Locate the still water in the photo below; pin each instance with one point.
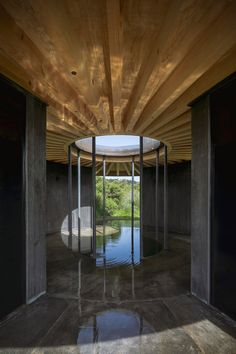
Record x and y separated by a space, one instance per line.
116 244
116 249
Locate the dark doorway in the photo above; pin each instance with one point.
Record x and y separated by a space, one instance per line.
223 122
12 136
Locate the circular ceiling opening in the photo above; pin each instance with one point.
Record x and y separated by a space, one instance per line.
118 145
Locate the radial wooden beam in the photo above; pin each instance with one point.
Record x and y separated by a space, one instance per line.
107 67
118 169
182 119
162 61
18 46
188 71
115 38
224 67
110 166
136 169
126 168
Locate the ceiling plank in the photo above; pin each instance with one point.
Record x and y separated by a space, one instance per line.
115 39
16 44
214 43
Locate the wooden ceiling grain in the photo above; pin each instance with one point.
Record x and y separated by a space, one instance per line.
118 66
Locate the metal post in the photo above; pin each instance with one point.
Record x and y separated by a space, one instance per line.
69 198
165 199
94 194
133 280
79 285
79 196
132 208
104 278
141 197
157 194
104 202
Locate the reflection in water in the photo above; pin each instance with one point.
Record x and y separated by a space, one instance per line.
115 253
107 330
117 243
117 249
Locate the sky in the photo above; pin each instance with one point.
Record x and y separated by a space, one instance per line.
117 140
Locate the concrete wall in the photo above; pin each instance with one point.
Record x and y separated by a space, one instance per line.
57 196
179 198
35 197
23 122
200 227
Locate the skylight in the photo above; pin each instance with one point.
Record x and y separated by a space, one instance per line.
117 140
118 145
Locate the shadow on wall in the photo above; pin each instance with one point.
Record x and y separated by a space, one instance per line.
57 194
86 230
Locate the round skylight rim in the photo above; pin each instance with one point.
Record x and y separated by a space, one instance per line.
149 145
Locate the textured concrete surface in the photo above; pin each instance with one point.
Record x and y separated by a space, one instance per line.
200 204
91 311
35 197
22 196
57 196
179 197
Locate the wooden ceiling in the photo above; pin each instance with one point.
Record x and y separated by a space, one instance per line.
118 66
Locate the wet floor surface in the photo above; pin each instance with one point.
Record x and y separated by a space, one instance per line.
142 309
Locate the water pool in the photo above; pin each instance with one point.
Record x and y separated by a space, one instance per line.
116 249
115 245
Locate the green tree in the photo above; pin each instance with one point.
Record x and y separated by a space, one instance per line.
118 198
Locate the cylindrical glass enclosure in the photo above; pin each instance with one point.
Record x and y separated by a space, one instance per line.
117 216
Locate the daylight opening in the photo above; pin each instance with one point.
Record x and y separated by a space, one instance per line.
118 145
112 221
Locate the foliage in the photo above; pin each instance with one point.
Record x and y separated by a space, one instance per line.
118 197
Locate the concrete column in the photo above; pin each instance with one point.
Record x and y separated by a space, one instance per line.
166 233
69 197
200 216
157 195
141 196
94 194
132 208
35 198
79 196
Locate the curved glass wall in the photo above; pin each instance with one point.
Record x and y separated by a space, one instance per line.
120 236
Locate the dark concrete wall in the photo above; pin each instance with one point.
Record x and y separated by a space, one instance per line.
35 198
24 121
57 196
149 198
179 198
200 227
12 207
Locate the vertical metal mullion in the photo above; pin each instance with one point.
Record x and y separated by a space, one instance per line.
69 198
94 194
104 201
165 198
132 208
157 194
79 196
79 285
141 197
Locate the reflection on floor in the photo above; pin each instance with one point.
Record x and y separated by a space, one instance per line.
128 309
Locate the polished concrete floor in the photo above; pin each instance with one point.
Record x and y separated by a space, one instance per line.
128 309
